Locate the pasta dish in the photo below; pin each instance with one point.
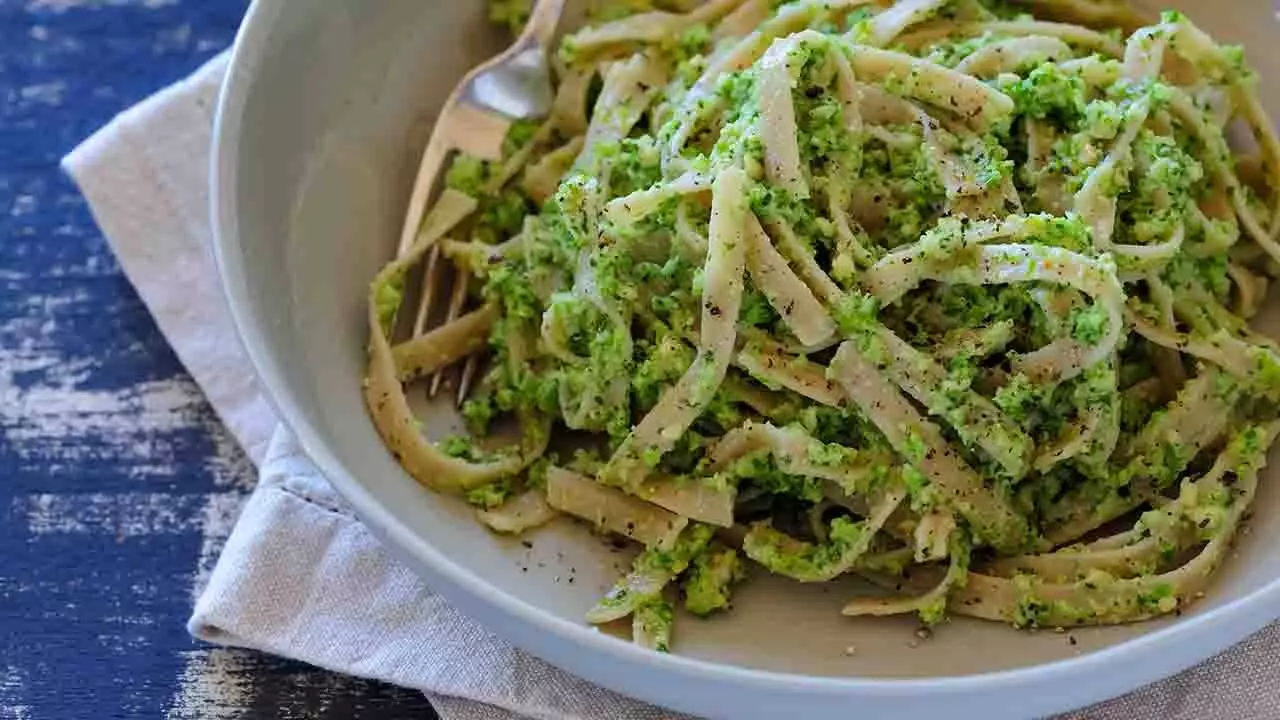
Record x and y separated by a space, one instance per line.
951 295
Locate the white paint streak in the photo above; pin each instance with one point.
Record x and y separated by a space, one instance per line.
13 680
130 620
137 425
126 515
151 407
64 5
217 521
216 684
50 94
141 427
233 471
215 681
177 38
23 205
230 467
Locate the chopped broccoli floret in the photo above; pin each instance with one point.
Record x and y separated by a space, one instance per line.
491 495
1049 93
708 585
1089 324
653 623
468 174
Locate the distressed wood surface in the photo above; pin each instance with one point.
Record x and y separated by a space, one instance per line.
117 483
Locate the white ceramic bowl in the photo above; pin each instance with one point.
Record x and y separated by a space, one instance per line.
320 127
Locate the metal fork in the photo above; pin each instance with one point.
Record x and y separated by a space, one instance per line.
514 85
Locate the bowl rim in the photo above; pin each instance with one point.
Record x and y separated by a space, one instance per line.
1075 681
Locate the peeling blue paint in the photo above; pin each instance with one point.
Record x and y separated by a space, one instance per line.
111 463
93 404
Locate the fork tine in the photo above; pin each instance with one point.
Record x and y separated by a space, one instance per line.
430 281
468 376
456 300
474 120
437 380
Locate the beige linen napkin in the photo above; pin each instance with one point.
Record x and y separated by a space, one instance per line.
300 576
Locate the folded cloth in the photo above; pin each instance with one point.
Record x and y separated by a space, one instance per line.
300 576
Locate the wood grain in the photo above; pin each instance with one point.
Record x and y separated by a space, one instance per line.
117 483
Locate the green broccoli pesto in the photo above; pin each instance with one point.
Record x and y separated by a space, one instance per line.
479 412
1068 232
654 620
675 559
634 163
856 313
1266 377
841 426
1114 601
1088 324
652 570
807 562
708 583
770 203
467 174
663 362
387 297
830 455
491 495
1019 398
759 470
907 185
1049 93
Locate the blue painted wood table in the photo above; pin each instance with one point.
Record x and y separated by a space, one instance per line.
117 483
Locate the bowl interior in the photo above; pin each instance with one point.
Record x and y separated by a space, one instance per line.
334 120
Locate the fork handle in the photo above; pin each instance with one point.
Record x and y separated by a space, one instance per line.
544 20
433 157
